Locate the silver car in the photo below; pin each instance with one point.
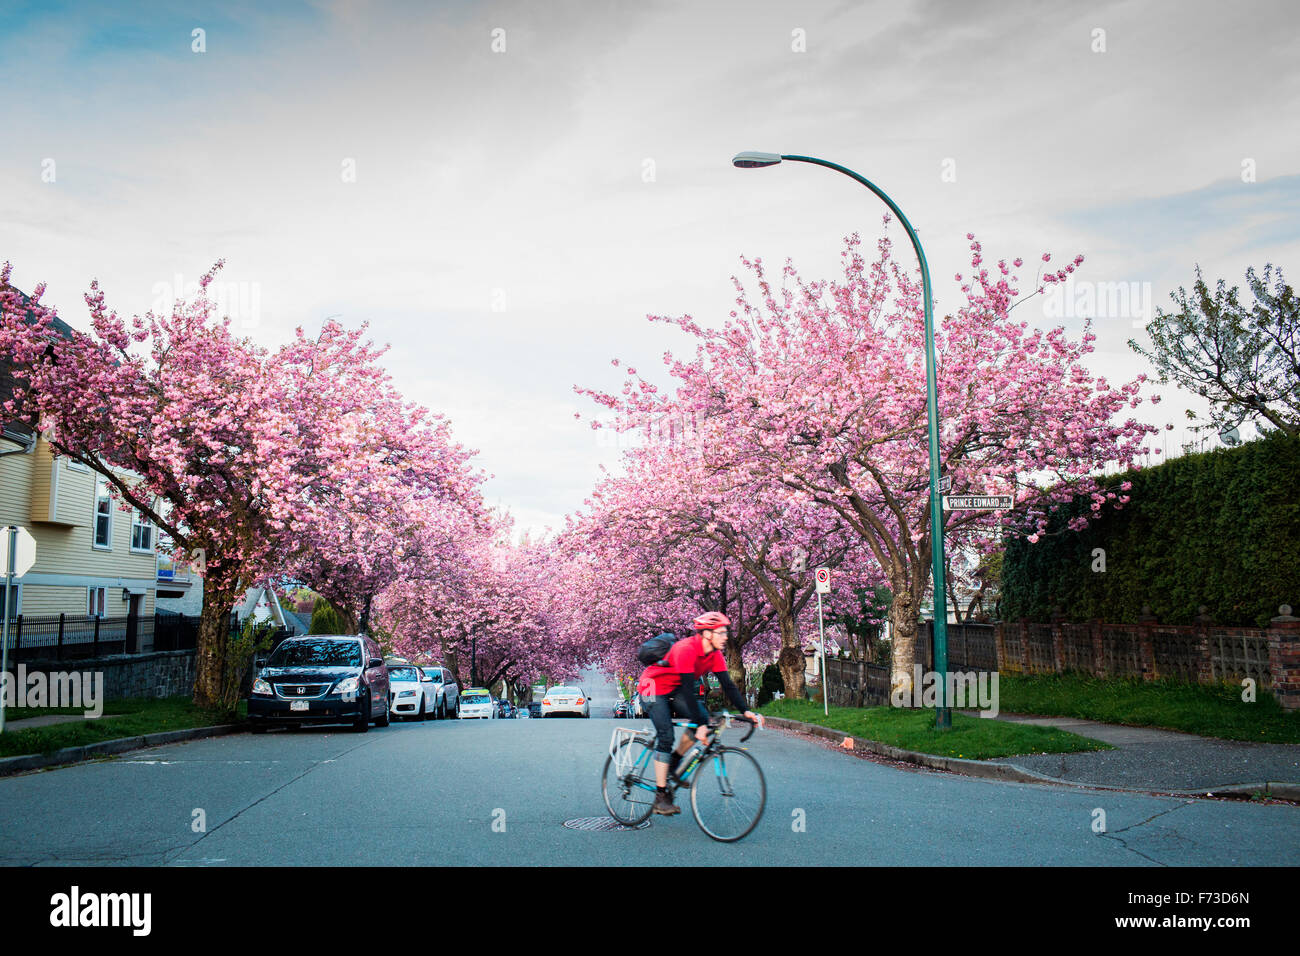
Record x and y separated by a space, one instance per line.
570 700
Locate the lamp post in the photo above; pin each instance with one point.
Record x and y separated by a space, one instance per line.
943 715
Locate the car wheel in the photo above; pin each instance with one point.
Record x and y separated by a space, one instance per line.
362 723
423 711
384 720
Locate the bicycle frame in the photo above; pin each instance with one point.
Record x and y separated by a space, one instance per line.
639 773
622 764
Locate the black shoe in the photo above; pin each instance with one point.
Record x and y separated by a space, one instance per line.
664 804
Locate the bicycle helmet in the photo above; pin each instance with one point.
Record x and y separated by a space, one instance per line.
711 620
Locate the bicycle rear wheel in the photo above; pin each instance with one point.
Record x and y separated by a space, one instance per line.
728 794
629 797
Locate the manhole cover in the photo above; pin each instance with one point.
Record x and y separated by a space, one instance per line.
601 823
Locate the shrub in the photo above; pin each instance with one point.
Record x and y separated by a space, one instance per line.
1215 529
771 683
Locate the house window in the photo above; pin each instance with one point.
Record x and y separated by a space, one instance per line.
141 533
103 516
76 465
96 602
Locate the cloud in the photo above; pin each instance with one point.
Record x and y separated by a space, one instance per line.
515 215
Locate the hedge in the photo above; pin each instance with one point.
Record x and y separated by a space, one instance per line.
1219 528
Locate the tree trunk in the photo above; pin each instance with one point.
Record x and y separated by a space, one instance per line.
790 660
363 625
735 666
902 627
451 661
212 664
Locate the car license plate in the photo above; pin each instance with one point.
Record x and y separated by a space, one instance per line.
299 705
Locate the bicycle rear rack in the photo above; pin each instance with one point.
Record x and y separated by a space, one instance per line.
625 757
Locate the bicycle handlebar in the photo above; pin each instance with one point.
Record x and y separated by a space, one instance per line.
753 725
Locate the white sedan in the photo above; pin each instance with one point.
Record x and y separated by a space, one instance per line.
406 695
566 700
476 702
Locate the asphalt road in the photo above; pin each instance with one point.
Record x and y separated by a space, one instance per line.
498 792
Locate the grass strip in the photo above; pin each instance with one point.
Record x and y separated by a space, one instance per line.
1210 710
132 717
974 738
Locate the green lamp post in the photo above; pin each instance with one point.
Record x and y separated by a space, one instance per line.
943 716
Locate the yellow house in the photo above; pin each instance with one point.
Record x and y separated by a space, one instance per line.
94 558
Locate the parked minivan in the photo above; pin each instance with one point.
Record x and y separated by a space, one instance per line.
321 679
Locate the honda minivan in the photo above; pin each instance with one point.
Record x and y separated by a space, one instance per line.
321 679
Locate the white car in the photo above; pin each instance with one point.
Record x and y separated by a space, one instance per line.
566 700
476 702
406 692
442 690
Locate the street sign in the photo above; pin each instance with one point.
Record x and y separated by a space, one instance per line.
977 502
24 556
823 580
945 484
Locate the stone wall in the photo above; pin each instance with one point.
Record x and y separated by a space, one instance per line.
159 674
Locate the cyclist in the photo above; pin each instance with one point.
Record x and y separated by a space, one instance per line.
671 686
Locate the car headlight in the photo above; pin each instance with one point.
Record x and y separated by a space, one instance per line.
262 687
348 685
407 693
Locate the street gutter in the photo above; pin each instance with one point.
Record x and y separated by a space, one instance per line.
107 748
1013 773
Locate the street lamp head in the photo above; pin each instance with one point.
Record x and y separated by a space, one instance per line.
752 160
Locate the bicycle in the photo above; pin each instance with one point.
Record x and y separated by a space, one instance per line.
726 804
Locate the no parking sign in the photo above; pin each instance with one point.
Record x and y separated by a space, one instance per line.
823 580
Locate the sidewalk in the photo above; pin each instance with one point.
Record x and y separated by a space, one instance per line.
50 719
1163 760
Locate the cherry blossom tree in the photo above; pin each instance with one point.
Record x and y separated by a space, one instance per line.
488 609
640 583
820 390
238 453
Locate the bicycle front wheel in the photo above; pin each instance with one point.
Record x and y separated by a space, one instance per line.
629 797
728 794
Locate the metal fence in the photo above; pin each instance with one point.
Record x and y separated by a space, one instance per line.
72 636
64 636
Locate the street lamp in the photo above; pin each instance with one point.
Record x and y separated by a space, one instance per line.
943 715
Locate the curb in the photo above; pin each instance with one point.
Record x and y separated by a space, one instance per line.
1011 772
106 748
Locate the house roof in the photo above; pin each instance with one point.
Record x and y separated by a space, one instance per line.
15 431
249 604
296 621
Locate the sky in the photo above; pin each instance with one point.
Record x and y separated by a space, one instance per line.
504 191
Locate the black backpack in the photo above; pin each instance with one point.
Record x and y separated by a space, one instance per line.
656 649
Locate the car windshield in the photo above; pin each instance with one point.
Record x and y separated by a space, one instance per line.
474 698
402 673
316 653
433 675
566 690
